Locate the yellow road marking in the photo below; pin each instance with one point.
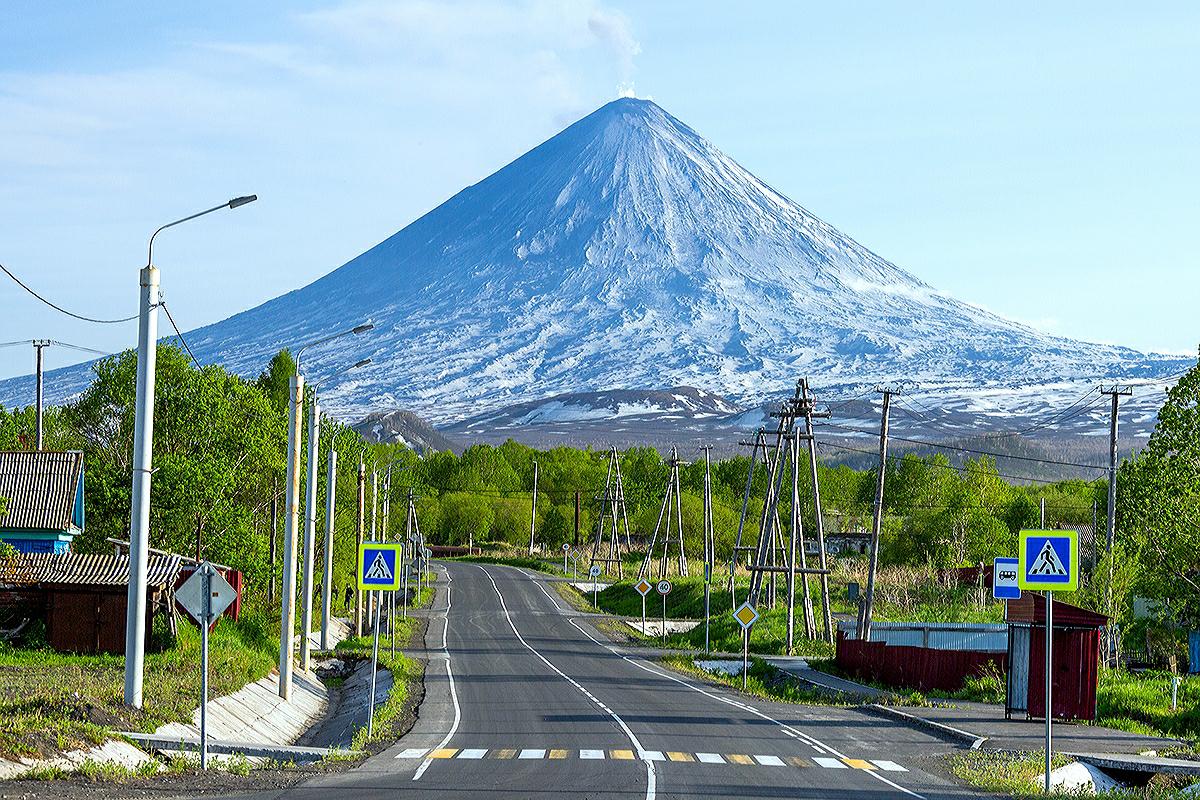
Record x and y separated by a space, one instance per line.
796 761
445 752
621 755
737 758
503 753
680 756
859 763
559 753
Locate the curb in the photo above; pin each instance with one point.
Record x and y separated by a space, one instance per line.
972 740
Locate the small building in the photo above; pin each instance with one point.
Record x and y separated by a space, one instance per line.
41 510
1075 671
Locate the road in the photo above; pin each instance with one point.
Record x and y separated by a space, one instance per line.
525 699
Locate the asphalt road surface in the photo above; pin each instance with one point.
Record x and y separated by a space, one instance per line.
524 699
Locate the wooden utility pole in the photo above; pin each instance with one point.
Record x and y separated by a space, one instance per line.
671 506
274 527
359 521
809 414
577 509
533 512
1116 392
864 620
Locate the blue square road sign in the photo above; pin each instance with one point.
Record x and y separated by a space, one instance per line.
379 566
1049 560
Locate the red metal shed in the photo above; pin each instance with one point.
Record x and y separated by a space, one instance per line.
1076 668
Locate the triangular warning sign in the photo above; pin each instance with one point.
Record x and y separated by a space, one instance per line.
1048 563
379 571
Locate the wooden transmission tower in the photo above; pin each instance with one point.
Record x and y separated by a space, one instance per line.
668 510
607 546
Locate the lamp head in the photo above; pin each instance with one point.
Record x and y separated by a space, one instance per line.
366 326
241 201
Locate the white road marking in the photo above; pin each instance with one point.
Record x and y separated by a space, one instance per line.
413 752
532 754
737 704
538 584
650 777
769 761
890 766
830 763
591 755
453 691
651 755
709 758
476 753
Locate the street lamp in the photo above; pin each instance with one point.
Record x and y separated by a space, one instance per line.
143 440
310 523
292 518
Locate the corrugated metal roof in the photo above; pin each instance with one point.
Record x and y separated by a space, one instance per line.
83 568
39 489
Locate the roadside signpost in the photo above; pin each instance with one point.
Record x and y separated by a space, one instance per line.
205 596
746 615
664 589
707 586
1049 561
1005 585
379 567
594 573
566 549
643 588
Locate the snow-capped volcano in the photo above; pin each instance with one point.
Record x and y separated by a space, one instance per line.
628 252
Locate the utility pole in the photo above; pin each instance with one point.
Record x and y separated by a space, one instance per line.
864 622
327 577
809 413
38 346
533 514
310 533
359 519
1116 392
291 522
577 509
274 530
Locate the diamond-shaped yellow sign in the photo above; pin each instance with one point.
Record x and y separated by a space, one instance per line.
746 614
643 587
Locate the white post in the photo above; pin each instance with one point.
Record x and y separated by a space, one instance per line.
374 669
327 577
1049 682
139 528
291 521
310 534
533 513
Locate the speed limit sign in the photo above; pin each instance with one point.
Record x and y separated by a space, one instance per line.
664 587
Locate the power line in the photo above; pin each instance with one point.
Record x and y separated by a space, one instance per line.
897 459
972 450
179 334
59 308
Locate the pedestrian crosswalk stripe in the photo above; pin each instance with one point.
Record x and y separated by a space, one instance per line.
413 752
676 756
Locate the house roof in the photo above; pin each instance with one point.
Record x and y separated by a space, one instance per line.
39 488
89 569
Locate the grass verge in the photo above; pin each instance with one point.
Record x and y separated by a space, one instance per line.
1016 775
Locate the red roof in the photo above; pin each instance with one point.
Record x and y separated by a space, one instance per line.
1032 608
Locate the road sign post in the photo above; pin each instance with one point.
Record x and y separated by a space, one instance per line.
707 584
566 549
664 589
1049 561
205 596
594 573
379 568
746 615
643 588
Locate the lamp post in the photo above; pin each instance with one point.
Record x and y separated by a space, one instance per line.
287 611
143 441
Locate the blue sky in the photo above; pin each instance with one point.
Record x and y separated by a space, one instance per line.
1038 159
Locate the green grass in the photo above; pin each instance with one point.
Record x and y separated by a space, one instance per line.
763 681
1016 775
52 701
1141 703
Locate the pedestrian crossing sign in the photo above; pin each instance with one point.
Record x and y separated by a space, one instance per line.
1049 561
379 566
